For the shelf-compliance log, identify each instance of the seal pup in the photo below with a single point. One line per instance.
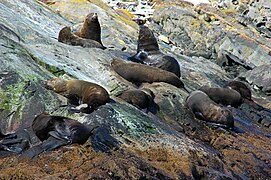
(138, 73)
(91, 28)
(67, 37)
(224, 96)
(56, 131)
(206, 109)
(148, 52)
(140, 98)
(80, 92)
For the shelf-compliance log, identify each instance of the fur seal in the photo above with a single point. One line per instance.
(206, 109)
(67, 37)
(240, 87)
(224, 96)
(56, 131)
(91, 28)
(80, 92)
(140, 98)
(148, 52)
(138, 73)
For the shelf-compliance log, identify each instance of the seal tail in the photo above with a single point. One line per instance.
(48, 145)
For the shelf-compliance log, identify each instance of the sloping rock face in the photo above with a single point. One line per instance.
(211, 48)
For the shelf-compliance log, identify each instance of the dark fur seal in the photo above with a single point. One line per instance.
(66, 36)
(241, 87)
(140, 98)
(206, 109)
(148, 53)
(224, 96)
(91, 28)
(138, 73)
(56, 131)
(80, 92)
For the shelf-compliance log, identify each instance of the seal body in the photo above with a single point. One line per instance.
(148, 53)
(91, 28)
(241, 87)
(80, 92)
(56, 131)
(70, 130)
(224, 96)
(66, 36)
(138, 73)
(140, 98)
(206, 109)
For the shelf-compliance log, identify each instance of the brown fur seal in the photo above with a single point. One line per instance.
(148, 53)
(240, 87)
(56, 131)
(141, 98)
(91, 28)
(138, 73)
(66, 36)
(206, 109)
(224, 96)
(80, 92)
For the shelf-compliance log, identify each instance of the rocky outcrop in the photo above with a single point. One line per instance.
(211, 48)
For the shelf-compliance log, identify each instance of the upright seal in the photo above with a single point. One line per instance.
(91, 28)
(148, 52)
(67, 37)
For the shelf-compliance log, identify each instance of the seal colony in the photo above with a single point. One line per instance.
(148, 52)
(150, 65)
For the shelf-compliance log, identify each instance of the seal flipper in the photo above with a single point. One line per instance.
(48, 145)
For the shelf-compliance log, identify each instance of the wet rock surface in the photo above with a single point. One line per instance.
(211, 46)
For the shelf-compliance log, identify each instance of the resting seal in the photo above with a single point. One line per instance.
(56, 131)
(66, 36)
(91, 28)
(224, 96)
(80, 92)
(240, 87)
(148, 53)
(138, 73)
(206, 109)
(140, 98)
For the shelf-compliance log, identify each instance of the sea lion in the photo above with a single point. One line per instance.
(91, 28)
(240, 87)
(224, 96)
(206, 109)
(56, 131)
(148, 52)
(80, 92)
(138, 73)
(140, 98)
(66, 36)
